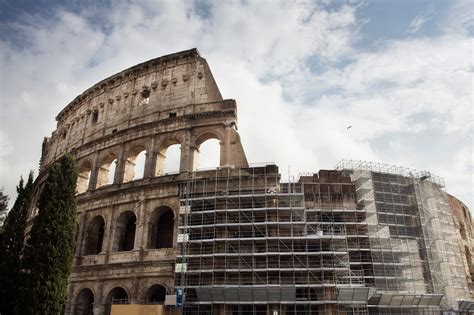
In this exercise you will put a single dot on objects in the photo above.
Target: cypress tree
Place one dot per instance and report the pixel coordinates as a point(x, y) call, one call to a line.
point(3, 208)
point(50, 248)
point(11, 247)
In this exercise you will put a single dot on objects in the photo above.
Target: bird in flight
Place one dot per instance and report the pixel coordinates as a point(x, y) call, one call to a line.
point(348, 127)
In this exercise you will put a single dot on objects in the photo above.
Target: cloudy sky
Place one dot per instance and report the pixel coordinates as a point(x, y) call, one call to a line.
point(400, 72)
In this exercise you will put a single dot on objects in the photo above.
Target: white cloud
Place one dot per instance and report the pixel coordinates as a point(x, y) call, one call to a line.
point(263, 54)
point(416, 24)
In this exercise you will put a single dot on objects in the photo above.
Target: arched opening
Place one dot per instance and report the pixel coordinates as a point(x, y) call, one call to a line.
point(95, 236)
point(106, 171)
point(125, 232)
point(134, 164)
point(156, 294)
point(116, 296)
point(140, 165)
point(208, 154)
point(84, 303)
point(168, 160)
point(161, 228)
point(83, 177)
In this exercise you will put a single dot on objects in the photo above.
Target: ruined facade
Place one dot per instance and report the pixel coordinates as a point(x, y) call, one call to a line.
point(239, 240)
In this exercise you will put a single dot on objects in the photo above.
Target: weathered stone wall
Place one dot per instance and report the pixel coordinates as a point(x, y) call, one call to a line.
point(123, 224)
point(164, 90)
point(463, 222)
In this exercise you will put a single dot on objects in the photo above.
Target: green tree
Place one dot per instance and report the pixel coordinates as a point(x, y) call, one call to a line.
point(49, 250)
point(3, 208)
point(11, 246)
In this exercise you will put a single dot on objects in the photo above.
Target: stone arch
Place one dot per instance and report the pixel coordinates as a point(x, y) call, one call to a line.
point(155, 294)
point(95, 235)
point(130, 171)
point(161, 228)
point(84, 302)
point(200, 139)
point(117, 295)
point(106, 169)
point(83, 176)
point(125, 232)
point(161, 159)
point(207, 135)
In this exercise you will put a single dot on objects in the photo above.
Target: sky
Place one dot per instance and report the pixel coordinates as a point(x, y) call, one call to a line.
point(400, 72)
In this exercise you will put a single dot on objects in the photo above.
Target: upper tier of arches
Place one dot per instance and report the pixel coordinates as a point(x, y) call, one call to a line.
point(148, 156)
point(164, 90)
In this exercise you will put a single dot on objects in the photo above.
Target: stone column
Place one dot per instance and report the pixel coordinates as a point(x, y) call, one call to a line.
point(187, 153)
point(150, 161)
point(69, 304)
point(94, 173)
point(140, 225)
point(120, 168)
point(80, 237)
point(99, 300)
point(225, 145)
point(109, 233)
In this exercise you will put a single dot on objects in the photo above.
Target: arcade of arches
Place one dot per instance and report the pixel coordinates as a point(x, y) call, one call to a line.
point(139, 162)
point(84, 303)
point(161, 224)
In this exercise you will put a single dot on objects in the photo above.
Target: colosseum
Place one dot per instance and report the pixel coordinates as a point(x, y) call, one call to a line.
point(362, 238)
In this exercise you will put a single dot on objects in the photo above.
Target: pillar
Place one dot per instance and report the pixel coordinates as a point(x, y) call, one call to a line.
point(99, 300)
point(150, 161)
point(187, 153)
point(80, 237)
point(94, 173)
point(140, 225)
point(225, 145)
point(109, 232)
point(120, 168)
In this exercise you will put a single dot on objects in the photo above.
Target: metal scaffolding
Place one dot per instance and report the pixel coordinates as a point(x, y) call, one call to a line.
point(411, 233)
point(364, 238)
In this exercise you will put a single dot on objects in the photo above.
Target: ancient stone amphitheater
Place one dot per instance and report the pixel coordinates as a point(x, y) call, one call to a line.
point(362, 238)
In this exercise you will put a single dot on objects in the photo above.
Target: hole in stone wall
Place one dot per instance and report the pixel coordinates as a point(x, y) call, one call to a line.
point(95, 236)
point(156, 294)
point(135, 164)
point(172, 115)
point(95, 116)
point(116, 295)
point(84, 303)
point(140, 165)
point(161, 229)
point(111, 175)
point(125, 232)
point(209, 154)
point(106, 171)
point(170, 160)
point(83, 177)
point(145, 93)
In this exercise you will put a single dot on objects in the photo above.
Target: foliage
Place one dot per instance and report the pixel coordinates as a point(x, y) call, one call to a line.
point(3, 208)
point(11, 247)
point(49, 251)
